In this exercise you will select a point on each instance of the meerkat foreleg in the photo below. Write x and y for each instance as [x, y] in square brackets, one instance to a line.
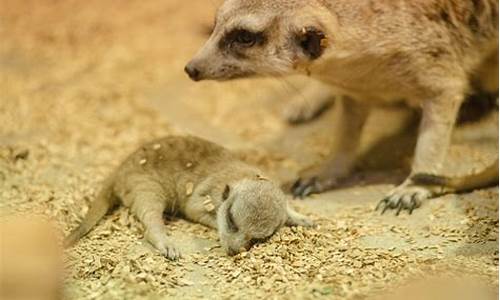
[324, 176]
[148, 204]
[438, 119]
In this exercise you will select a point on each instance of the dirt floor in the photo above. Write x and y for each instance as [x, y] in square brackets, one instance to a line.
[83, 83]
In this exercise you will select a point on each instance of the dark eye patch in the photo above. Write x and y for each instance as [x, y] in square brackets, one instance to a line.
[230, 220]
[245, 38]
[241, 38]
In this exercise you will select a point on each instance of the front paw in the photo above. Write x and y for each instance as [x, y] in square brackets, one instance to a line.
[405, 197]
[170, 251]
[315, 182]
[164, 245]
[303, 187]
[321, 177]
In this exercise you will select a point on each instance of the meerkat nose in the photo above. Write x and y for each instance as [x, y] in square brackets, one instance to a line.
[193, 72]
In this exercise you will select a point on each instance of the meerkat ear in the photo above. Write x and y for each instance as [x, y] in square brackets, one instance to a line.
[225, 194]
[312, 41]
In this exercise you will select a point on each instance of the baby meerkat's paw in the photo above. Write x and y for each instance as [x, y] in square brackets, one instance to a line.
[165, 245]
[169, 250]
[405, 197]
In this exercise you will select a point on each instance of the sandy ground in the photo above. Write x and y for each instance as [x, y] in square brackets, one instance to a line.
[83, 83]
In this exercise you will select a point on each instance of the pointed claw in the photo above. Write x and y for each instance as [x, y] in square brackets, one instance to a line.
[294, 186]
[307, 191]
[386, 207]
[413, 204]
[302, 189]
[383, 201]
[297, 189]
[399, 206]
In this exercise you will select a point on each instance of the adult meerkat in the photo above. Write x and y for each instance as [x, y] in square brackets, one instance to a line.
[427, 53]
[201, 181]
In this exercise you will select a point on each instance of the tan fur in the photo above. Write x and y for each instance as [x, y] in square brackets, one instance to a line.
[200, 181]
[427, 53]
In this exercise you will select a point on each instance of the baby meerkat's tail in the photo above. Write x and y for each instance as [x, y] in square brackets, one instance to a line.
[98, 209]
[484, 178]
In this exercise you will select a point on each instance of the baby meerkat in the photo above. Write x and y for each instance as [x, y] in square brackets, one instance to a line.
[428, 54]
[201, 181]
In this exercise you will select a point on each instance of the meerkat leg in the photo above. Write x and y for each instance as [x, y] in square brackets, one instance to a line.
[438, 118]
[148, 203]
[297, 219]
[350, 121]
[308, 104]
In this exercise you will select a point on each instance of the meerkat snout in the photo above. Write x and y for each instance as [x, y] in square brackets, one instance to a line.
[252, 212]
[262, 38]
[193, 71]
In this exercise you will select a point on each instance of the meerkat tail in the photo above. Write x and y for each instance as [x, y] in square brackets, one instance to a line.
[98, 209]
[486, 177]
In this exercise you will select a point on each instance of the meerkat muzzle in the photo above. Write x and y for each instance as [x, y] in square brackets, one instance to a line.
[193, 72]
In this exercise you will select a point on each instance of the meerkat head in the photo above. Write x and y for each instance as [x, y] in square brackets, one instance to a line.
[262, 37]
[252, 211]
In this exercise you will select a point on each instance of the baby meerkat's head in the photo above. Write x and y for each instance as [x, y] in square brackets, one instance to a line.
[252, 211]
[262, 37]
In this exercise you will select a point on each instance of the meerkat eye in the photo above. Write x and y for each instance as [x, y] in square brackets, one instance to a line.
[230, 221]
[246, 38]
[226, 192]
[241, 38]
